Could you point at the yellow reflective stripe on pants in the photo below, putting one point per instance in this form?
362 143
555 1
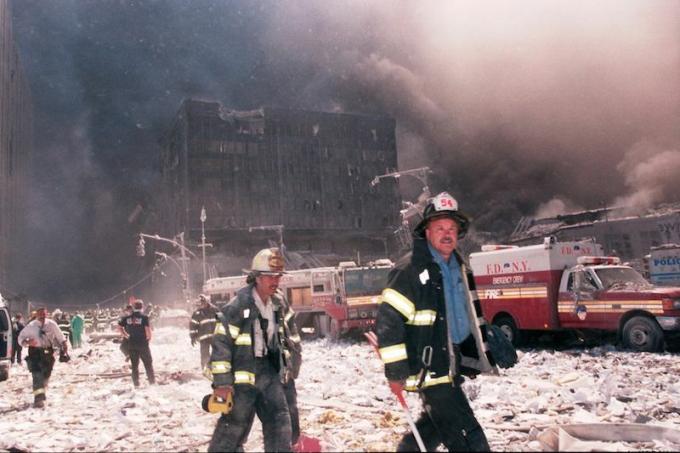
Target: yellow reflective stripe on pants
391 354
220 330
412 381
233 331
423 318
244 377
295 338
193 321
38 391
206 321
205 337
399 302
244 340
220 367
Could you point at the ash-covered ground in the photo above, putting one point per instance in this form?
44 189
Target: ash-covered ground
343 397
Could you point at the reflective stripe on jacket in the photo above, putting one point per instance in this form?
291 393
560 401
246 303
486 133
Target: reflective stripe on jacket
412 321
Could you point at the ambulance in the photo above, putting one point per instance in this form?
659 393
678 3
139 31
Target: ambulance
558 286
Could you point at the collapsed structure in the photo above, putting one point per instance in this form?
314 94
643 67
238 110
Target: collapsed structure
291 176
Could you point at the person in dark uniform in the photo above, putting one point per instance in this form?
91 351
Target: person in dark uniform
42 336
17 326
250 360
431 332
137 330
202 327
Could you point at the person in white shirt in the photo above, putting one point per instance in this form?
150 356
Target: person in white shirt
43 337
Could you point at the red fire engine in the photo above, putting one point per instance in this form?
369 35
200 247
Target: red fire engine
571 285
328 301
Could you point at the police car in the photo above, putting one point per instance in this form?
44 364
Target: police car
5 339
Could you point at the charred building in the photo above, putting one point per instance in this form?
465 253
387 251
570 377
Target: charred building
16 133
257 171
629 237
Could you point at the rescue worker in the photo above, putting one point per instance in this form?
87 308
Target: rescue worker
125 343
137 330
64 325
17 326
89 321
250 359
202 327
430 331
42 336
77 326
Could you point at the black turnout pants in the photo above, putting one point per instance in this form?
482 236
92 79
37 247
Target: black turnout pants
205 352
16 353
40 363
268 400
447 419
142 352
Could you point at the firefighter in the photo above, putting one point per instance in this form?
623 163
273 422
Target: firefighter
17 326
430 331
64 325
202 327
89 321
250 360
137 330
42 336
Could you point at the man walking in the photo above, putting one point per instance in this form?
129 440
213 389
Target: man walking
202 327
430 331
77 327
136 329
250 359
42 336
17 327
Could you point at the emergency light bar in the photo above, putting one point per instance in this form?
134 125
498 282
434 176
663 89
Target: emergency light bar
598 260
494 247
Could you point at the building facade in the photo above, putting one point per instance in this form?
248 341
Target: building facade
16 131
308 172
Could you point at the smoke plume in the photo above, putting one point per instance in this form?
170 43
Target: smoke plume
512 104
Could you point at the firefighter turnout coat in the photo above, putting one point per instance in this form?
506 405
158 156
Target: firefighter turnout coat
412 329
233 358
203 324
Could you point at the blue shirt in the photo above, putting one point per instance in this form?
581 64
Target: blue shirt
455 297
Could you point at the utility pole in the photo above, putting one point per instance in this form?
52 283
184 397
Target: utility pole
203 245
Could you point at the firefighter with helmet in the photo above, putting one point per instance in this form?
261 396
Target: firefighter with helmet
431 332
202 327
250 359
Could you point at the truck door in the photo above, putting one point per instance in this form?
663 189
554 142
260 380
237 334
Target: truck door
583 289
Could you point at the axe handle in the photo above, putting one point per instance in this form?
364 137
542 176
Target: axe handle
373 340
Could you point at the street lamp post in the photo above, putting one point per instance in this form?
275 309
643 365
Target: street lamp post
184 258
203 245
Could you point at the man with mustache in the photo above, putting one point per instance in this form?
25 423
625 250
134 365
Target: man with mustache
431 332
250 359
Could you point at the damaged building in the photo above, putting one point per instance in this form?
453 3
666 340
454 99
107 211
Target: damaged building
629 237
15 152
273 175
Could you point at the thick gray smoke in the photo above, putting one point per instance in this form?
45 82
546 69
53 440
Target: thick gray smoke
513 104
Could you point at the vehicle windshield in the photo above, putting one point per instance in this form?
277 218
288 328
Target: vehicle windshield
621 278
365 282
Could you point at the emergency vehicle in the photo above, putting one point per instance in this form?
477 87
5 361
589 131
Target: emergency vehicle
571 286
664 265
328 301
5 339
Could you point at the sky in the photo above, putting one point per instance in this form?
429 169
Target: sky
522 108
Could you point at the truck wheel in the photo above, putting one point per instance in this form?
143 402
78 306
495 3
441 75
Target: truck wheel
509 328
642 334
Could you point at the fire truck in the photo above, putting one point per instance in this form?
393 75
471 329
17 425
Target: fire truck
559 286
328 301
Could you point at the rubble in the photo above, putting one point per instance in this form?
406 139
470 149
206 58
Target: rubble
343 398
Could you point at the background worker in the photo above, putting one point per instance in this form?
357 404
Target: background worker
17 326
202 327
43 337
137 330
429 328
